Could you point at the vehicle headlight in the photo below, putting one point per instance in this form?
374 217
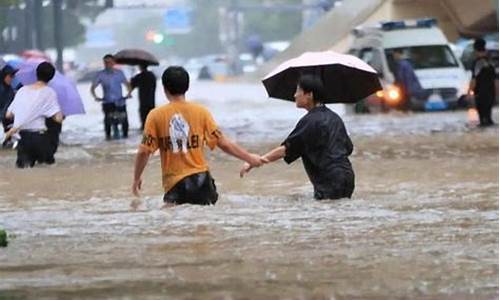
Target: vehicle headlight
392 95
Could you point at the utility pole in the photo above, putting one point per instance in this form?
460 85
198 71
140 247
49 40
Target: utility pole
28 24
58 30
38 21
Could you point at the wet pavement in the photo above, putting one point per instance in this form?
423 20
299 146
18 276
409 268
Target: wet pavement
422 223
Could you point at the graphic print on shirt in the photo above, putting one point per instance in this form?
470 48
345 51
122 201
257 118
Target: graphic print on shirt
179 133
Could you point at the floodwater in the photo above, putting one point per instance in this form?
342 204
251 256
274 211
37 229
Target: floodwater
422 223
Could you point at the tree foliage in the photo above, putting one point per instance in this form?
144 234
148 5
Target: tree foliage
13 15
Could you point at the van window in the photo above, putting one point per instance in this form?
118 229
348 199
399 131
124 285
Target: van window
427 57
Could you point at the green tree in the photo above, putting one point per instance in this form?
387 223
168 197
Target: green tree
75 13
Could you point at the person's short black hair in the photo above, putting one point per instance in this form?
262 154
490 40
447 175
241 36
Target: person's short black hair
8 70
108 56
45 72
310 83
398 50
479 44
175 80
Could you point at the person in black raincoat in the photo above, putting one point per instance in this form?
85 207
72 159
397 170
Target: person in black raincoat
6 96
321 140
484 83
145 81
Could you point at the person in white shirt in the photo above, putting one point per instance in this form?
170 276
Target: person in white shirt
31 105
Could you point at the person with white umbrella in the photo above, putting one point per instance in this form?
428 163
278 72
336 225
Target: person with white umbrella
320 137
321 140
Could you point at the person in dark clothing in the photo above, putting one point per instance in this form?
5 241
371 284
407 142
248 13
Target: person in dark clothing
484 83
321 140
145 81
6 96
53 132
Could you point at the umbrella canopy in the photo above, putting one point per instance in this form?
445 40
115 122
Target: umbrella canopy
67 94
35 54
135 57
346 78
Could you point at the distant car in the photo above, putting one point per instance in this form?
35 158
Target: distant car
437 67
247 63
212 67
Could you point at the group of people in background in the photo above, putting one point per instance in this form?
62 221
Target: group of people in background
32 118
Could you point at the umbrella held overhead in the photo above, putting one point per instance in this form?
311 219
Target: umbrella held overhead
67 94
135 57
346 78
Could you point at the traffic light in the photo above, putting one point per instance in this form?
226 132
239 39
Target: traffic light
156 37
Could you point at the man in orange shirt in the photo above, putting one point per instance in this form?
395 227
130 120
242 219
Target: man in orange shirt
181 129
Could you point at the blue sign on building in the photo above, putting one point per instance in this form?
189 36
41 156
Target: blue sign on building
177 20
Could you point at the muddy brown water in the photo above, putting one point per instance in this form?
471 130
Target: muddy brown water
422 223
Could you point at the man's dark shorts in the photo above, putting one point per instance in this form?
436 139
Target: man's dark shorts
198 189
341 186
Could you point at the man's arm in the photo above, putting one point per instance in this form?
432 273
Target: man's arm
239 152
92 92
10 132
273 155
141 160
58 117
129 89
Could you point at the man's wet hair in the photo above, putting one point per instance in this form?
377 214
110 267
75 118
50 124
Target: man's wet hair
398 50
175 80
45 72
108 56
311 83
480 44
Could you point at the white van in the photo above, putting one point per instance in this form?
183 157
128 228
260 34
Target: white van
424 44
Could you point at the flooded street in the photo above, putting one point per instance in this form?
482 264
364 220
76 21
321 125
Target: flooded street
422 223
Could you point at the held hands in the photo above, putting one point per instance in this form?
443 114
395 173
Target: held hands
255 161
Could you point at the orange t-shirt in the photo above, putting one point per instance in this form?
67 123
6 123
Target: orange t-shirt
180 130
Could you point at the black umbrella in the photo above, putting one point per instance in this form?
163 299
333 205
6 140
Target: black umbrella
135 57
346 78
